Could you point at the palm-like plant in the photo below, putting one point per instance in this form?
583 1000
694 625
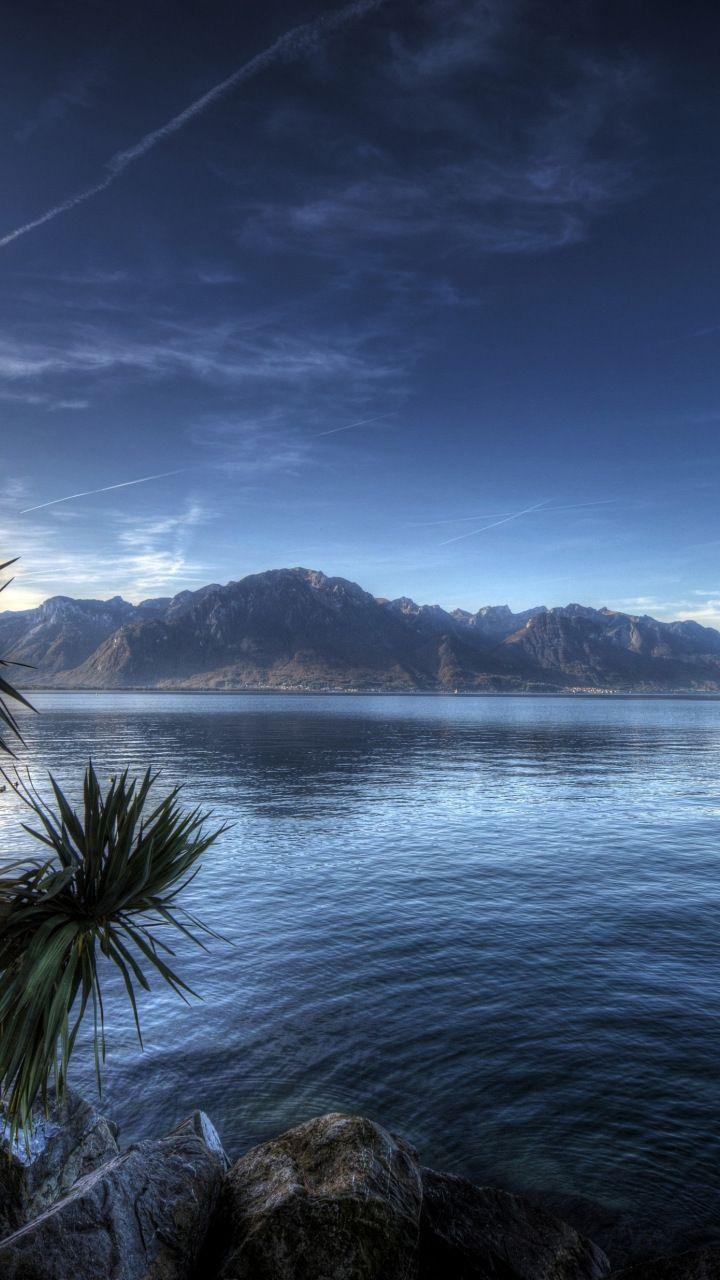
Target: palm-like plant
8 692
111 881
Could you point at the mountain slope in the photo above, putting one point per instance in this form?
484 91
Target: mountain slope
298 629
599 648
62 633
287 626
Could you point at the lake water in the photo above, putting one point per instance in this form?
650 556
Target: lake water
490 923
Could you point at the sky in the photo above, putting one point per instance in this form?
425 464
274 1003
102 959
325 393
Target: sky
422 293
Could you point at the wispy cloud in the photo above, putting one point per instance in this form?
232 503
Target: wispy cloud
453 205
224 351
74 91
13 490
687 605
293 44
157 553
525 180
452 37
252 447
39 399
134 555
273 442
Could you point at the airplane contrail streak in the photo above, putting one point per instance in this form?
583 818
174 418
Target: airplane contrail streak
348 427
106 489
293 44
491 515
479 515
515 516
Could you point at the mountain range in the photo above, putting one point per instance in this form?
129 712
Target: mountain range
299 629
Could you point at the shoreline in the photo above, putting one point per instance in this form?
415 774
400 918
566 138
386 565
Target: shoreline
680 695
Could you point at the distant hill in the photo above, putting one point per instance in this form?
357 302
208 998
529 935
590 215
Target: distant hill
298 629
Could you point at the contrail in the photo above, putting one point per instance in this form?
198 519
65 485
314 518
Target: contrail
350 425
106 489
515 516
479 515
295 43
491 515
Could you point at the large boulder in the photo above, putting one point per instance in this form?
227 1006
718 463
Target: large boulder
478 1233
142 1216
336 1199
65 1144
697 1264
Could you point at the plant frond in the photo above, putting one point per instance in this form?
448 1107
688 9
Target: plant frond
8 692
111 879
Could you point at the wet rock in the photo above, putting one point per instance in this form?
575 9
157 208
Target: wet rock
69 1142
697 1264
336 1199
142 1216
478 1233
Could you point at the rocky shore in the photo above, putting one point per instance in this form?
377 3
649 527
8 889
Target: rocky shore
338 1198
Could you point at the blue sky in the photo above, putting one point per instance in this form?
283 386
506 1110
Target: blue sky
418 270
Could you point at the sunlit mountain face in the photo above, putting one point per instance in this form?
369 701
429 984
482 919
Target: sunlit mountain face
425 293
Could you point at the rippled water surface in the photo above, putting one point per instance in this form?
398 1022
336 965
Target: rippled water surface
492 924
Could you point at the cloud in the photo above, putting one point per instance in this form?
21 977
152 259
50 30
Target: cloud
278 439
13 491
451 37
39 399
224 352
293 44
134 555
461 207
539 147
74 91
253 448
684 607
157 552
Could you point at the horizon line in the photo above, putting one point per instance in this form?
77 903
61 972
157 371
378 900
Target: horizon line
533 610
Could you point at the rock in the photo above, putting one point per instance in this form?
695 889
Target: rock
142 1216
478 1233
336 1199
697 1264
70 1142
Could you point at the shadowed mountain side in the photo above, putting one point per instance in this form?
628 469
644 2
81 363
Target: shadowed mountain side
298 629
599 648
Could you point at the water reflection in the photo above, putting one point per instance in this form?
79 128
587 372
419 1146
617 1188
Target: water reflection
490 923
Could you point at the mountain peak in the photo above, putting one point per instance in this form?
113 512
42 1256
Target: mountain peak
299 628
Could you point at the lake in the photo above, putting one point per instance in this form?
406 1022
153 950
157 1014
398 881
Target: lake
492 924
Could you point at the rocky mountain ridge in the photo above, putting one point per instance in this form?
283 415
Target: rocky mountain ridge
300 629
